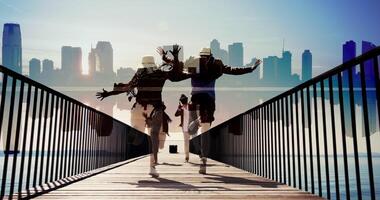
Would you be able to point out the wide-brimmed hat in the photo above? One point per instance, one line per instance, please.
(205, 52)
(148, 61)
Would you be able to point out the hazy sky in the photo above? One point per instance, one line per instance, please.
(136, 28)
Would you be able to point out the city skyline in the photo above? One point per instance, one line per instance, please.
(275, 70)
(262, 27)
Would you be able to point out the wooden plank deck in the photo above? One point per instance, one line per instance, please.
(178, 180)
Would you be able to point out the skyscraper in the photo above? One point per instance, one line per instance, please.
(34, 68)
(104, 60)
(170, 48)
(349, 52)
(92, 62)
(71, 58)
(235, 54)
(47, 67)
(218, 52)
(368, 65)
(270, 68)
(307, 62)
(285, 67)
(11, 50)
(371, 94)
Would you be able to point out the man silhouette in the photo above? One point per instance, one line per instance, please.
(203, 94)
(149, 108)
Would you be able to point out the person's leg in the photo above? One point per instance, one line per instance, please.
(155, 128)
(207, 109)
(186, 138)
(162, 139)
(137, 119)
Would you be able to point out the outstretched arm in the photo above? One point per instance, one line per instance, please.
(119, 88)
(105, 93)
(239, 71)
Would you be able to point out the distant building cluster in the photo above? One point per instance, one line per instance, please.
(100, 69)
(277, 71)
(349, 52)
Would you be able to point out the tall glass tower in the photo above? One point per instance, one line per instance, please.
(12, 52)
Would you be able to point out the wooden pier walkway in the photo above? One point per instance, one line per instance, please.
(178, 180)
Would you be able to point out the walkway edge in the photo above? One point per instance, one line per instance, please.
(34, 192)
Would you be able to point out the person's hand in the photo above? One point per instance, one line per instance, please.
(257, 63)
(102, 95)
(176, 50)
(161, 51)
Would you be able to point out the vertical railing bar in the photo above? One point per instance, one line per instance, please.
(254, 142)
(8, 140)
(82, 137)
(367, 131)
(287, 138)
(62, 116)
(304, 140)
(44, 138)
(269, 154)
(32, 138)
(63, 148)
(331, 94)
(310, 140)
(88, 140)
(355, 140)
(2, 104)
(325, 140)
(23, 151)
(70, 142)
(283, 140)
(275, 138)
(271, 141)
(38, 138)
(68, 122)
(265, 142)
(279, 141)
(377, 85)
(261, 142)
(17, 137)
(50, 138)
(298, 143)
(78, 140)
(54, 139)
(344, 143)
(317, 139)
(293, 149)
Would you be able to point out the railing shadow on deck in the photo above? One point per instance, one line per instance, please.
(309, 136)
(48, 137)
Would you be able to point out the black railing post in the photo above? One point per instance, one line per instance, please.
(367, 132)
(8, 140)
(310, 139)
(331, 94)
(17, 137)
(355, 140)
(317, 139)
(344, 143)
(325, 140)
(304, 140)
(23, 151)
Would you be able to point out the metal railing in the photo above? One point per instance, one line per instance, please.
(47, 136)
(321, 136)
